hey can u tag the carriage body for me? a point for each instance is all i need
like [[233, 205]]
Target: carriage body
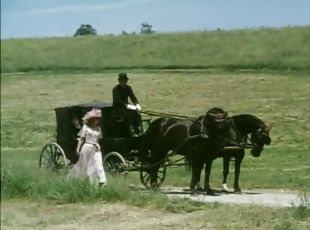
[[116, 137]]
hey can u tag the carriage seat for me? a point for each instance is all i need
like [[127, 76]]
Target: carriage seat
[[126, 124]]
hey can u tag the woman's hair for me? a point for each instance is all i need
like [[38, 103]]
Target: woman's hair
[[91, 120]]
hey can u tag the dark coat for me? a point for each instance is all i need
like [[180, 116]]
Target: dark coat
[[121, 95]]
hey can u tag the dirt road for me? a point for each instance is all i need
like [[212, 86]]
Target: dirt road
[[273, 198]]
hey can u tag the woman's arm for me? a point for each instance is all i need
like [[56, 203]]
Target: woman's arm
[[81, 139], [80, 144]]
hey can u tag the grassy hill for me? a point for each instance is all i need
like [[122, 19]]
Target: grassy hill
[[286, 48]]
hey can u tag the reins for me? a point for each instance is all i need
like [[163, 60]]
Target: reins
[[153, 113]]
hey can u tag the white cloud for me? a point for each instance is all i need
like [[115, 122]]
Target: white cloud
[[84, 8]]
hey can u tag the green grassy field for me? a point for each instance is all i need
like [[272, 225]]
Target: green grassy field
[[28, 119], [285, 48], [28, 122], [263, 72]]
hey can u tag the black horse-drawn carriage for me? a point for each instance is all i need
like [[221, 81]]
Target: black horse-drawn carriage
[[122, 151], [119, 145]]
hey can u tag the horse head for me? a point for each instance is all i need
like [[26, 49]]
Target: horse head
[[217, 126], [216, 118], [259, 138]]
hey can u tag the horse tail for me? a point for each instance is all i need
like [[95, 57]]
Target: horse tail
[[150, 137], [187, 164]]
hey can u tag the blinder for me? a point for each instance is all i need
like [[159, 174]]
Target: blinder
[[264, 136]]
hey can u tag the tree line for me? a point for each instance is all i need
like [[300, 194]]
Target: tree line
[[86, 29]]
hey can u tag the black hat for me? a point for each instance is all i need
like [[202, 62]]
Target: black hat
[[122, 76]]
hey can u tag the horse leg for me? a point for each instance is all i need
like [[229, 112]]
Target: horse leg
[[143, 152], [207, 177], [154, 174], [158, 156], [226, 160], [196, 174], [238, 160]]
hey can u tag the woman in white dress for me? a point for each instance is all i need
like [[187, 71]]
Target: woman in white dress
[[90, 159]]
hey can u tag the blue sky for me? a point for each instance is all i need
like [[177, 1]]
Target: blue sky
[[49, 18]]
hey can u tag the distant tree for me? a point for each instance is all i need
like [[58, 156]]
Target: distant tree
[[124, 32], [85, 30], [146, 28]]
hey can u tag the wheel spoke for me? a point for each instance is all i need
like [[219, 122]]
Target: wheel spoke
[[145, 175], [51, 149], [114, 165], [52, 157], [47, 158], [147, 180]]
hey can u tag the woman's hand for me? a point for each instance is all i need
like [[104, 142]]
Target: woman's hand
[[79, 146]]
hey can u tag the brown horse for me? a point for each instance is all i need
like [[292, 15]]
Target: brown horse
[[200, 141], [241, 126]]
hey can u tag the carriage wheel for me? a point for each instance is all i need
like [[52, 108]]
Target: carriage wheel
[[145, 176], [53, 157], [115, 164]]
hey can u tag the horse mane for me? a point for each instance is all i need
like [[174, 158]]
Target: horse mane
[[250, 117], [246, 123], [215, 110]]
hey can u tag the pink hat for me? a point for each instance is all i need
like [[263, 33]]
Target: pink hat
[[92, 113]]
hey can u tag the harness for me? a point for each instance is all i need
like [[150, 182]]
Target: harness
[[233, 137], [245, 141], [202, 134], [203, 131]]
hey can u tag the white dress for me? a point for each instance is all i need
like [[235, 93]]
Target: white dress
[[90, 160]]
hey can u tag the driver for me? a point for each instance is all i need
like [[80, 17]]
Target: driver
[[121, 93]]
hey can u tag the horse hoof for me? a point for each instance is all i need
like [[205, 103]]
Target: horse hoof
[[210, 192], [224, 188], [196, 187], [194, 192], [237, 191], [200, 189]]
